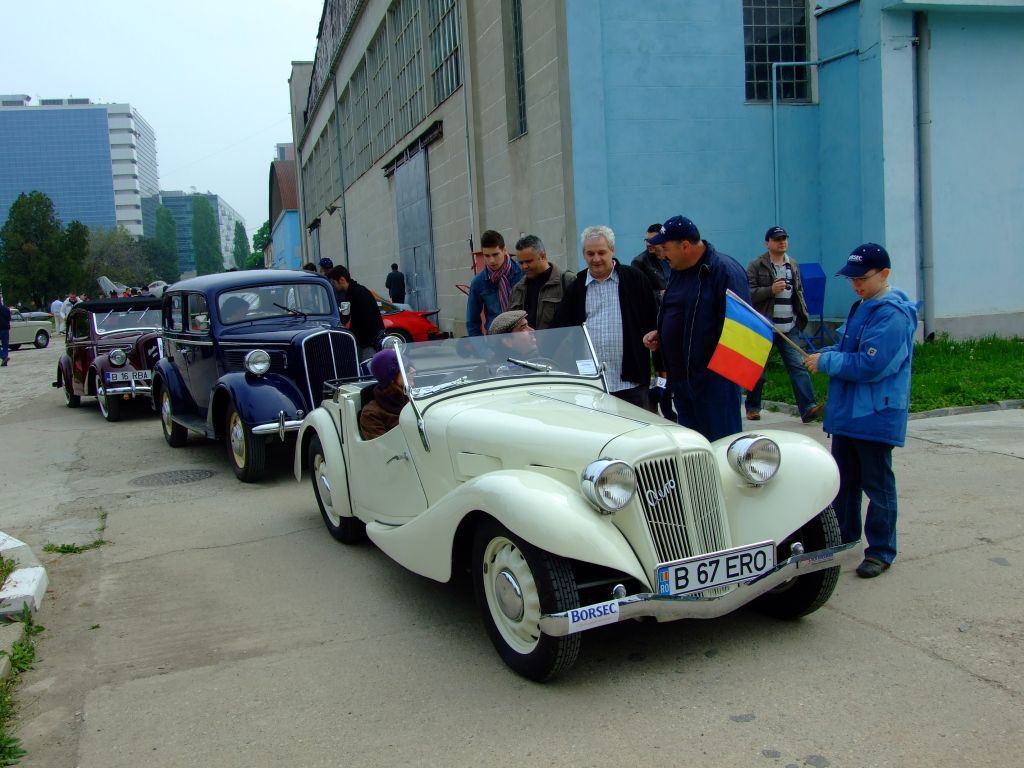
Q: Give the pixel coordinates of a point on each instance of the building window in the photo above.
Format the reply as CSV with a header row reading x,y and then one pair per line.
x,y
443,41
775,31
515,70
361,119
382,129
404,21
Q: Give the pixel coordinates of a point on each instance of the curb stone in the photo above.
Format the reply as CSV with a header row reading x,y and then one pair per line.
x,y
25,586
1002,405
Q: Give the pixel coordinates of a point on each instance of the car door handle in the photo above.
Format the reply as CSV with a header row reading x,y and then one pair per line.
x,y
398,457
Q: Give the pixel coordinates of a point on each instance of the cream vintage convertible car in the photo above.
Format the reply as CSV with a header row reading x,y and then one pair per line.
x,y
570,508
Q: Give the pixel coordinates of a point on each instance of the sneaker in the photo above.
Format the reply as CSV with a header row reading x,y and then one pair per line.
x,y
871,568
812,413
754,415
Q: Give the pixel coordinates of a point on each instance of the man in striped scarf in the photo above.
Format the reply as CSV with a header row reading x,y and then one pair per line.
x,y
491,289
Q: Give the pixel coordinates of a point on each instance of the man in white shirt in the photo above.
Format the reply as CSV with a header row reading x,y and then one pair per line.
x,y
55,307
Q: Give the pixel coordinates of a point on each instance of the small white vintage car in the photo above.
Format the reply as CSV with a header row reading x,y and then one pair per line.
x,y
570,508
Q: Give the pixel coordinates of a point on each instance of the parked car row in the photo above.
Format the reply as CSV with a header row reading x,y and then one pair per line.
x,y
512,464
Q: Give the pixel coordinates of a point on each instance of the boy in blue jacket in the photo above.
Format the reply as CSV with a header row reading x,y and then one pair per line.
x,y
868,401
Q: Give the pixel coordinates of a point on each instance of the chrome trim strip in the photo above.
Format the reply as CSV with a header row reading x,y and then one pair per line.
x,y
275,427
134,390
671,608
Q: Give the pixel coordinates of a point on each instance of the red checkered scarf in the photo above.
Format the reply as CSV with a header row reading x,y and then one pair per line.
x,y
501,278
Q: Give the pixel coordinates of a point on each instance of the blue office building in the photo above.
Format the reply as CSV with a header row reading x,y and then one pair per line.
x,y
64,153
97,162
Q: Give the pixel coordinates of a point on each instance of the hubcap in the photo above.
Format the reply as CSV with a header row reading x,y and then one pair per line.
x,y
236,434
511,594
165,412
323,486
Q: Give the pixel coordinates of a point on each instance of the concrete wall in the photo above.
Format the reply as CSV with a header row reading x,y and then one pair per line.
x,y
977,171
660,126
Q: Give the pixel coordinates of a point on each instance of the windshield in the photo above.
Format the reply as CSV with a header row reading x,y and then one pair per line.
x,y
284,300
126,320
439,366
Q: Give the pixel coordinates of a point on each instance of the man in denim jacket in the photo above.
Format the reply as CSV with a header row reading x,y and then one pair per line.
x,y
868,401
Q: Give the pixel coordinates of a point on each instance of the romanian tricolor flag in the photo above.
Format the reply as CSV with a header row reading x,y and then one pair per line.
x,y
744,345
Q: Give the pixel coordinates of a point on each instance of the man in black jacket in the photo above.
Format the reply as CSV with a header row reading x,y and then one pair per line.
x,y
365,321
617,304
5,331
650,262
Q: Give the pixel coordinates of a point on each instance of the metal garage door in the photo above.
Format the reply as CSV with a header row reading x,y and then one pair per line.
x,y
415,244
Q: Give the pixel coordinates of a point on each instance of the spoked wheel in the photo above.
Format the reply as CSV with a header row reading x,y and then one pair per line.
x,y
805,594
515,584
345,528
110,407
248,452
175,434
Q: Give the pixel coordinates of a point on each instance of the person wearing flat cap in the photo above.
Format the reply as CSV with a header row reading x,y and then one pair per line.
x,y
381,414
690,323
868,400
517,340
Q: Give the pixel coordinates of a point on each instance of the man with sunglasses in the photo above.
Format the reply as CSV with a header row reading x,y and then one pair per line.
x,y
868,401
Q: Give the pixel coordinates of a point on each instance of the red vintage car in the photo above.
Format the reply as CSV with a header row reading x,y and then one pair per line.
x,y
409,324
111,348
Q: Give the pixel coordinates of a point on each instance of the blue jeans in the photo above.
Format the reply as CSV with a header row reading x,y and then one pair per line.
x,y
866,467
798,376
5,338
709,404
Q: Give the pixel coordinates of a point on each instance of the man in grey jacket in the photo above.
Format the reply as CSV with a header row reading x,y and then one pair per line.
x,y
543,284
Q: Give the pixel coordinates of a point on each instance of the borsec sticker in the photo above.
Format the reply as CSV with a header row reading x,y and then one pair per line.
x,y
593,615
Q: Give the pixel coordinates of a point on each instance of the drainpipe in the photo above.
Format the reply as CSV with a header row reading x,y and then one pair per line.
x,y
464,29
341,170
775,114
924,173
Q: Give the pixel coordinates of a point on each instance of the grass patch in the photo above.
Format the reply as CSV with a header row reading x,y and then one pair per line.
x,y
946,373
73,549
22,656
6,569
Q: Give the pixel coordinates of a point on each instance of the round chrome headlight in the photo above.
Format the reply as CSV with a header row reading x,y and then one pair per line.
x,y
608,484
755,458
257,362
118,357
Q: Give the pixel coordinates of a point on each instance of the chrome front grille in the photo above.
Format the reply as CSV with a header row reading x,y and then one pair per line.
x,y
683,505
328,355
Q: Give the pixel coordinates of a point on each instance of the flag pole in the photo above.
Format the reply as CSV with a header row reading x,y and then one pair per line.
x,y
789,341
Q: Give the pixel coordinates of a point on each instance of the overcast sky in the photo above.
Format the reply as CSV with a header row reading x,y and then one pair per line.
x,y
210,77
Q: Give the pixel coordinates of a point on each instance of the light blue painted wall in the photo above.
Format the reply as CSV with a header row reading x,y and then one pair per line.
x,y
287,246
660,127
977,100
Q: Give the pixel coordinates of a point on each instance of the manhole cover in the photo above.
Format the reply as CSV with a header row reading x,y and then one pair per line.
x,y
174,477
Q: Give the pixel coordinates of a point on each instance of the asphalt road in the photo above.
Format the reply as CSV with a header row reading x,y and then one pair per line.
x,y
222,626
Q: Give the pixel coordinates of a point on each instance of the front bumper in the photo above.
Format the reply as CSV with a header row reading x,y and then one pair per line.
x,y
129,388
671,608
281,427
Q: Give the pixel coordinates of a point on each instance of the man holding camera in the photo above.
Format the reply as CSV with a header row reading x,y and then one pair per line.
x,y
777,292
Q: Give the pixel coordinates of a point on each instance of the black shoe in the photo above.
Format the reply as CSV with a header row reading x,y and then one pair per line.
x,y
871,568
812,413
4,363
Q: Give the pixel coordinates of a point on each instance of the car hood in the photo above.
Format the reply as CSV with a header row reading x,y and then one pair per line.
x,y
256,334
549,426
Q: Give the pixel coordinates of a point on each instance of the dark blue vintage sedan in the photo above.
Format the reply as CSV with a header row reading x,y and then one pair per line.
x,y
246,355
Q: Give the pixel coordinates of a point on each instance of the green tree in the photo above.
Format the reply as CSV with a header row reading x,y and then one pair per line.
x,y
76,256
241,251
118,255
205,237
167,267
33,262
260,241
163,263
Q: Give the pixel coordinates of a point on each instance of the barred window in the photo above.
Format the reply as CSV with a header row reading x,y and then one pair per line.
x,y
445,74
348,132
361,119
515,70
404,22
378,63
775,31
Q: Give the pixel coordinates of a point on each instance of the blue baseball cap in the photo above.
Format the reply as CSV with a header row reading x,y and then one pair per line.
x,y
676,228
326,263
776,233
863,259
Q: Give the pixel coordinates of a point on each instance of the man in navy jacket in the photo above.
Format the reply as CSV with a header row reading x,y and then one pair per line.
x,y
690,324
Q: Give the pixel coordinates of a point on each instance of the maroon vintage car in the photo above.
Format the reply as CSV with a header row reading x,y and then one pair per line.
x,y
112,346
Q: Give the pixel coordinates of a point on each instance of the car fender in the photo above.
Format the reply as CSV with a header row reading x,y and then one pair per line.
x,y
806,483
258,399
537,508
64,377
167,376
321,424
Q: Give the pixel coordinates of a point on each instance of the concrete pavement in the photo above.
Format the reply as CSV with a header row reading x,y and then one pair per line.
x,y
222,626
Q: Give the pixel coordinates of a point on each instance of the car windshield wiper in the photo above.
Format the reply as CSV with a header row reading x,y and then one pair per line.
x,y
291,311
435,388
528,364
